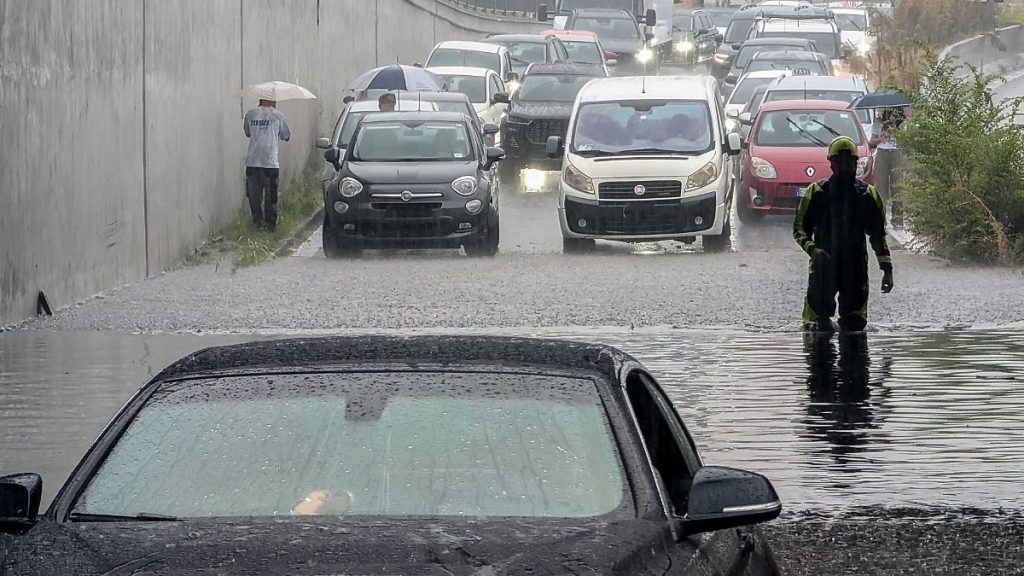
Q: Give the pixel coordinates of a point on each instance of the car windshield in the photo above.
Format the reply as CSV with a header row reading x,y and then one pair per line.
x,y
826,42
806,127
810,94
551,87
856,22
609,27
526,52
747,53
412,141
738,30
365,444
683,22
474,87
460,107
471,58
721,19
797,67
570,5
583,52
746,87
681,126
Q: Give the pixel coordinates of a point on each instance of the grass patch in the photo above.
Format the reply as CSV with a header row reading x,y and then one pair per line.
x,y
254,245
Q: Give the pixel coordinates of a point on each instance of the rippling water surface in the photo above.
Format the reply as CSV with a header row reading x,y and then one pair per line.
x,y
917,419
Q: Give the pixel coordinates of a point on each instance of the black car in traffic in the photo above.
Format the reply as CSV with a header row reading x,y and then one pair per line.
x,y
620,34
413,180
527,49
694,38
539,109
391,455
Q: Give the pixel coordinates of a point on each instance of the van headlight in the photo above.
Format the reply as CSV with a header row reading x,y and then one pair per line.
x,y
763,169
862,166
350,187
464,186
578,180
701,178
684,46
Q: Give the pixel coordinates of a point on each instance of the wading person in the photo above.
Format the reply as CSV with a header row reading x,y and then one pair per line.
x,y
887,155
832,221
387,102
265,126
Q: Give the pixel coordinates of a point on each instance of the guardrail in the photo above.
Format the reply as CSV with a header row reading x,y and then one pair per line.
x,y
521,9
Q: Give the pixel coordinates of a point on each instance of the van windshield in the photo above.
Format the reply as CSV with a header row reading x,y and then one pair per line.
x,y
643,127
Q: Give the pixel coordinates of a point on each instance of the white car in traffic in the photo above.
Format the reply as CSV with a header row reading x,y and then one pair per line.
x,y
644,160
482,86
473,55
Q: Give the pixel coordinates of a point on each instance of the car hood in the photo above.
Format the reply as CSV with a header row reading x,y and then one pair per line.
x,y
621,45
341,547
792,163
409,172
640,167
547,110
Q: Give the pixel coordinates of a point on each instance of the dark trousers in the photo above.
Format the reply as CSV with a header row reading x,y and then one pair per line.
x,y
847,279
261,188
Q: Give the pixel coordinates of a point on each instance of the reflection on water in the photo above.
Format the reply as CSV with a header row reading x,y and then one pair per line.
x,y
918,419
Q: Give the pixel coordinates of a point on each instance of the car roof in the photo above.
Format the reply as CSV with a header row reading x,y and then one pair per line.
x,y
851,83
424,116
849,10
604,12
806,105
470,46
787,55
372,105
439,97
653,88
776,42
578,34
801,25
492,351
565,68
460,70
518,37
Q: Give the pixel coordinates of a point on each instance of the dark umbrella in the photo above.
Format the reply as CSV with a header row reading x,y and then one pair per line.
x,y
880,99
399,77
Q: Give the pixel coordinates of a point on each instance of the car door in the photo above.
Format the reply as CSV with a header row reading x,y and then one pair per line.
x,y
492,113
674,458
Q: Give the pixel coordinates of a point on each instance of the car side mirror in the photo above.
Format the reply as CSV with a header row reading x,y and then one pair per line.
x,y
19,501
651,18
333,157
494,154
734,114
727,498
490,129
735,144
737,45
499,98
323,143
348,99
719,37
554,147
542,12
703,31
611,62
746,119
512,77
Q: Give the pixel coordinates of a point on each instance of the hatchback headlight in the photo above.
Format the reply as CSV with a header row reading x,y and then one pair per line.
x,y
578,180
464,186
701,178
350,187
763,169
862,166
684,46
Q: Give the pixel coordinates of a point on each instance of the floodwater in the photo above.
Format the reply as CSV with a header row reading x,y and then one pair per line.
x,y
921,419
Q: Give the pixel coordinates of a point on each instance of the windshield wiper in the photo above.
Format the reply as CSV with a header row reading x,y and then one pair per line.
x,y
653,151
826,127
806,134
596,152
140,517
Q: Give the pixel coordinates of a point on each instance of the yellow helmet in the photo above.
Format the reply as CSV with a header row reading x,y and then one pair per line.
x,y
843,144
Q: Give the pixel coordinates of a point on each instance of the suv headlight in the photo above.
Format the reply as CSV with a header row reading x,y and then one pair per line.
x,y
464,186
701,178
862,166
684,46
350,187
578,180
763,169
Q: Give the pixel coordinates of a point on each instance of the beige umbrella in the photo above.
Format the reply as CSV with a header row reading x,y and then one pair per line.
x,y
278,91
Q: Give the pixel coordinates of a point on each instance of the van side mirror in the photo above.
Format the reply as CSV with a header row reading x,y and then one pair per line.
x,y
651,18
727,498
554,147
735,144
333,157
499,98
19,501
734,114
542,12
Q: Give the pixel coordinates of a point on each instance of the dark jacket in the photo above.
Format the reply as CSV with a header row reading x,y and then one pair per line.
x,y
837,220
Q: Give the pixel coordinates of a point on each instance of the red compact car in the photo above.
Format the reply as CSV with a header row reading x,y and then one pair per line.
x,y
787,150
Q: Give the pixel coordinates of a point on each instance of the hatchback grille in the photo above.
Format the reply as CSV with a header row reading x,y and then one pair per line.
x,y
539,130
628,190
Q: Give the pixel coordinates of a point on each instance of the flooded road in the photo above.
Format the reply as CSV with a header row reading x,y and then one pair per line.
x,y
919,419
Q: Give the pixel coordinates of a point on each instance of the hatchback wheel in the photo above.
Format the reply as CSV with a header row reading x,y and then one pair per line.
x,y
487,246
335,246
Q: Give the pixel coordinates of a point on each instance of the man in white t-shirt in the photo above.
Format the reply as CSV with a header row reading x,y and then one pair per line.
x,y
265,126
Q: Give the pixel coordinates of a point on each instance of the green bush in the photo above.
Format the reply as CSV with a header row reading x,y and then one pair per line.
x,y
963,187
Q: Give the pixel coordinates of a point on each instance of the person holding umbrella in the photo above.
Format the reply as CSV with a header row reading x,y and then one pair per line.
x,y
265,126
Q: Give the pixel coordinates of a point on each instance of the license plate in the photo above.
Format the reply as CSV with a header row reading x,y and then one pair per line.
x,y
800,192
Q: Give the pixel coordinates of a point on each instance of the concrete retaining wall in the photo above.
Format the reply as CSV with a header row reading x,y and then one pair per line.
x,y
123,146
994,53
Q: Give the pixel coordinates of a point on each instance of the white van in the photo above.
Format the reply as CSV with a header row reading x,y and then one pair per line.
x,y
646,159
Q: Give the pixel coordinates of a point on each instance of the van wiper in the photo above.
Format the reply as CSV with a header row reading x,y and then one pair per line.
x,y
806,134
653,151
596,152
140,517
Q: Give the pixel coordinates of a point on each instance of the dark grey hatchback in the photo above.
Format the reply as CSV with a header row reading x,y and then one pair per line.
x,y
413,180
381,455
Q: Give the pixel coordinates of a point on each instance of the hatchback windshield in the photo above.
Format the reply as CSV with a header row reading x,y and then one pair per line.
x,y
475,87
609,27
826,42
551,87
583,52
682,126
797,67
367,444
471,58
806,127
412,141
833,95
746,87
526,52
855,22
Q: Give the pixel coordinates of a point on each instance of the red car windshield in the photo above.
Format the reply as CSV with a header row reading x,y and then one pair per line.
x,y
789,128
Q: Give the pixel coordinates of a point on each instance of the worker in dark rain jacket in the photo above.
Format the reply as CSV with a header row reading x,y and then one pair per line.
x,y
832,221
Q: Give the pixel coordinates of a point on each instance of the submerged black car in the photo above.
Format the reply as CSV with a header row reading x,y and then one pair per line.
x,y
539,109
380,455
413,180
